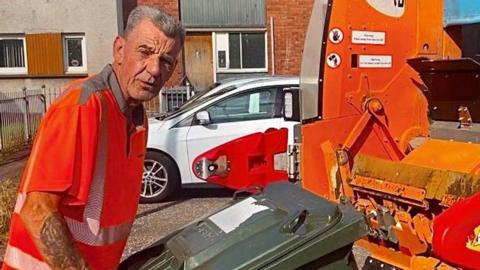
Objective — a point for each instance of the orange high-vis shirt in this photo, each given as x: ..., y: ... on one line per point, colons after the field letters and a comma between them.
x: 89, y: 149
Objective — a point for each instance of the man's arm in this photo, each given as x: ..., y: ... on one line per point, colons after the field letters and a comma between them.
x: 49, y: 231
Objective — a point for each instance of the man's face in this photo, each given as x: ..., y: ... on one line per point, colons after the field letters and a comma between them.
x: 144, y: 61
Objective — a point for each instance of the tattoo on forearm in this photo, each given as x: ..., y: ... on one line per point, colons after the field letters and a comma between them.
x: 58, y: 246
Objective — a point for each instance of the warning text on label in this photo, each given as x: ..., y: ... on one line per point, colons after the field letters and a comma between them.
x: 375, y: 61
x: 368, y: 37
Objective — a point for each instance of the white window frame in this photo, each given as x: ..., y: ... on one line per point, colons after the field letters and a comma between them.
x: 238, y: 70
x: 16, y: 70
x: 74, y: 70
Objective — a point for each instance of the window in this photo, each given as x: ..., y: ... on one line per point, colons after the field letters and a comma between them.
x: 244, y: 51
x: 13, y: 57
x: 47, y: 54
x: 260, y: 104
x: 75, y: 57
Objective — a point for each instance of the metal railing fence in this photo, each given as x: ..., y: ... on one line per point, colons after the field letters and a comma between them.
x: 21, y: 111
x: 20, y: 116
x: 174, y: 97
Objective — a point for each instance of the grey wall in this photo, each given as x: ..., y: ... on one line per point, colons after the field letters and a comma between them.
x: 100, y: 20
x: 14, y: 84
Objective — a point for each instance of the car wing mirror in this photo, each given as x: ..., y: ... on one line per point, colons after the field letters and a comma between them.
x: 203, y: 118
x: 291, y: 104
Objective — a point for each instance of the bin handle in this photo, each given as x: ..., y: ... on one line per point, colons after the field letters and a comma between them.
x: 250, y: 189
x: 297, y: 220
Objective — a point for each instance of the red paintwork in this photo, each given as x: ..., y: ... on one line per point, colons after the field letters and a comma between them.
x: 453, y: 228
x: 251, y: 159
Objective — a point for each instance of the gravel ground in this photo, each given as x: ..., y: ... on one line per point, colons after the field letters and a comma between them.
x: 155, y: 221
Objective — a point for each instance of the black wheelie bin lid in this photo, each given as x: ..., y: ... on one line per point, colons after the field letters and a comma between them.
x: 283, y: 227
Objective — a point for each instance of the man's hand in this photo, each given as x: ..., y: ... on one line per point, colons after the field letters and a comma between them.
x: 49, y: 232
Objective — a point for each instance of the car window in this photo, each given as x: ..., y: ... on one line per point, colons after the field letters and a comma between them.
x: 200, y: 95
x: 198, y: 101
x: 185, y: 122
x: 253, y: 105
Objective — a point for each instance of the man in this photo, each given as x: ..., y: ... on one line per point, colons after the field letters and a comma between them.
x: 79, y: 193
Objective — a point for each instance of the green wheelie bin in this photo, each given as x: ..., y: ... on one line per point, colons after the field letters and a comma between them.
x: 282, y: 227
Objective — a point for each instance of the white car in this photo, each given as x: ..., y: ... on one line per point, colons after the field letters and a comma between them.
x: 234, y: 109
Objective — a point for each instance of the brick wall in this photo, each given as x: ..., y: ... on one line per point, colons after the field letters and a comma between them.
x: 170, y: 6
x: 291, y: 19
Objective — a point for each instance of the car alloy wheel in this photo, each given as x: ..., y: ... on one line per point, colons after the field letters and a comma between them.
x: 154, y: 180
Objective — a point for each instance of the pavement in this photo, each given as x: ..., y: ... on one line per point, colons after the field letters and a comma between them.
x: 154, y: 221
x: 13, y: 164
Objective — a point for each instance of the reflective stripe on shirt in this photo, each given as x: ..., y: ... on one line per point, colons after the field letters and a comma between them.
x: 20, y: 202
x: 18, y: 259
x: 89, y: 231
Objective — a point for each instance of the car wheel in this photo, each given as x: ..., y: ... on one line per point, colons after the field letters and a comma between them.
x: 161, y: 179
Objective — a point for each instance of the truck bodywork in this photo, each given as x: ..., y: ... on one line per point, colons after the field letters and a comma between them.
x: 389, y: 121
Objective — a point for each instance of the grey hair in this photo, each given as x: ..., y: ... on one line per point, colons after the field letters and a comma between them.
x: 161, y: 19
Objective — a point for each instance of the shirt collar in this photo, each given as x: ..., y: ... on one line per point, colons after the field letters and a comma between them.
x: 109, y: 76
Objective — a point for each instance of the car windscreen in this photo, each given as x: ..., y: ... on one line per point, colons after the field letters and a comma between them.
x: 187, y: 104
x: 198, y: 101
x: 200, y: 95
